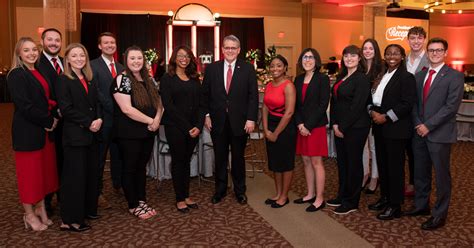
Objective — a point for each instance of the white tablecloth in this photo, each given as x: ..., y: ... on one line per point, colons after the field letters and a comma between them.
x: 202, y: 162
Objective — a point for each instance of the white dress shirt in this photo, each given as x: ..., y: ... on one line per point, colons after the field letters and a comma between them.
x: 107, y: 62
x: 437, y: 69
x: 226, y: 67
x: 411, y: 67
x: 49, y: 57
x: 378, y: 94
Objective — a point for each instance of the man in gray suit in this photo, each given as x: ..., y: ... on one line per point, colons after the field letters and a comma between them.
x: 439, y: 94
x: 417, y: 60
x: 105, y: 69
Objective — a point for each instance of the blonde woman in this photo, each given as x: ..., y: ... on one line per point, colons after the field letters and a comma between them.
x: 32, y: 139
x: 79, y: 105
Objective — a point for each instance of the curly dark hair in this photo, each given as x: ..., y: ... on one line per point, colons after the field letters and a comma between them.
x: 191, y: 69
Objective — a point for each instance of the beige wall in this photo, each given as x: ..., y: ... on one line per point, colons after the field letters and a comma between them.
x: 331, y: 36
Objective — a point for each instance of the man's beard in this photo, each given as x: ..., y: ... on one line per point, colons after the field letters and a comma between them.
x: 48, y: 51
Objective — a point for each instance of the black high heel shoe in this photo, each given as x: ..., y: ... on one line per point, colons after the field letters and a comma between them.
x: 192, y: 205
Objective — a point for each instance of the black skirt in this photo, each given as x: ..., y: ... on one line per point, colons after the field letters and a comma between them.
x: 281, y: 153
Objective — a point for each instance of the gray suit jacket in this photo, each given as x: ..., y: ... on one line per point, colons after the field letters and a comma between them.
x: 424, y: 63
x: 442, y: 103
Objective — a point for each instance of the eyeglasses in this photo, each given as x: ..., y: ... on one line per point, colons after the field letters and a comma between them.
x: 308, y: 57
x: 182, y: 56
x: 438, y: 51
x: 231, y: 48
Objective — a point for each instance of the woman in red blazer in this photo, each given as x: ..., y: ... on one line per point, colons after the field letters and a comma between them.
x: 33, y: 122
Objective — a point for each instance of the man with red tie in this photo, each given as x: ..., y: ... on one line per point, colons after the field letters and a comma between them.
x: 51, y: 66
x: 439, y: 94
x: 105, y: 69
x: 230, y: 88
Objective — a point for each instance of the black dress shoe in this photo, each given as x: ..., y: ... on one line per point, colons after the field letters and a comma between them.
x: 301, y: 201
x: 313, y: 208
x: 390, y: 213
x: 381, y: 204
x: 216, y: 199
x: 183, y: 210
x: 93, y: 216
x: 269, y: 201
x: 242, y: 199
x: 276, y: 205
x: 433, y: 223
x: 418, y: 212
x: 192, y: 205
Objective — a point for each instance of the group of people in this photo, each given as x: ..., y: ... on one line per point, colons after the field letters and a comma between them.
x: 398, y: 106
x: 69, y: 112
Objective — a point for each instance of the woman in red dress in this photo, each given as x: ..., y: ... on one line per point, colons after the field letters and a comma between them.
x: 280, y: 130
x: 33, y: 122
x: 312, y: 99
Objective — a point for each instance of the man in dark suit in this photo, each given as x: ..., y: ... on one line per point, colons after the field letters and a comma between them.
x: 51, y: 66
x: 105, y: 69
x: 230, y: 87
x: 416, y: 61
x: 439, y: 94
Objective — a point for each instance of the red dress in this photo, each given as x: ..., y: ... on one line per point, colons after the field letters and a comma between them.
x: 315, y: 144
x: 36, y: 171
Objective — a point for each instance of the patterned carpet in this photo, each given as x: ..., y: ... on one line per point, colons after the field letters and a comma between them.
x: 226, y: 224
x: 229, y: 224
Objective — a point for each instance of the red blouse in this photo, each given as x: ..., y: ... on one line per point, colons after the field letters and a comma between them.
x: 44, y: 83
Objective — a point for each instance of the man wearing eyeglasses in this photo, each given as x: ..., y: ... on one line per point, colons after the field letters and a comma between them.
x: 230, y: 87
x: 439, y: 94
x: 416, y: 61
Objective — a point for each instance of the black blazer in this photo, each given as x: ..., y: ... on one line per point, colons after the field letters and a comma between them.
x: 242, y: 101
x: 31, y: 115
x: 312, y: 111
x: 184, y: 106
x: 398, y: 99
x: 79, y: 109
x: 349, y: 107
x: 102, y: 78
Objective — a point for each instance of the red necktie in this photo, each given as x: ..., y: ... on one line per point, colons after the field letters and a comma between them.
x: 427, y: 86
x: 112, y: 70
x: 56, y: 65
x: 229, y: 79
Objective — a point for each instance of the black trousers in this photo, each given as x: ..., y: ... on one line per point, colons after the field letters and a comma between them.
x: 237, y: 144
x: 115, y: 163
x: 135, y: 153
x: 350, y: 167
x: 181, y: 150
x: 79, y: 191
x: 391, y: 163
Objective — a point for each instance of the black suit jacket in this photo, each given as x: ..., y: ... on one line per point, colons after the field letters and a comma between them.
x: 349, y: 107
x: 102, y: 78
x: 397, y: 101
x: 312, y: 111
x: 31, y: 115
x: 47, y: 69
x: 79, y: 109
x: 242, y: 101
x: 184, y: 108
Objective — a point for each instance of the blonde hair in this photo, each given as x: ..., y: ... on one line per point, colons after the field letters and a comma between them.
x: 86, y: 70
x: 16, y: 60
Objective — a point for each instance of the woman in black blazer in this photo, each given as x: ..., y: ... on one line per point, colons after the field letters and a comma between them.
x: 183, y: 119
x: 312, y: 99
x: 393, y: 98
x: 81, y: 111
x: 33, y: 122
x: 351, y: 123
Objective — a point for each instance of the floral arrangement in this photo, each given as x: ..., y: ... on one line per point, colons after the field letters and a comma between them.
x: 152, y: 56
x: 252, y: 56
x: 468, y: 88
x: 269, y: 55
